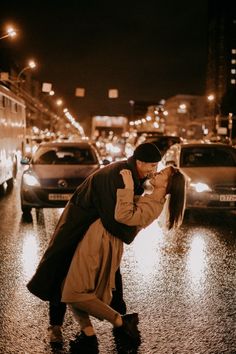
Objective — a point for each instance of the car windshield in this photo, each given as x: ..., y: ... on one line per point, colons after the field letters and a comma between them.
x: 207, y: 156
x: 64, y: 155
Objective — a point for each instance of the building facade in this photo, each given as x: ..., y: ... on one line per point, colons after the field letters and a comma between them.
x: 221, y: 64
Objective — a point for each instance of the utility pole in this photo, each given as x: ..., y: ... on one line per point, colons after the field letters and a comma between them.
x: 230, y: 126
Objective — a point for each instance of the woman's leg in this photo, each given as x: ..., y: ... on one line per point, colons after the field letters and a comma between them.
x: 82, y: 317
x: 125, y: 326
x: 98, y: 309
x: 87, y: 339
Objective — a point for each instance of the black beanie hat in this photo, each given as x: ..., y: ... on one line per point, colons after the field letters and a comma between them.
x: 147, y: 152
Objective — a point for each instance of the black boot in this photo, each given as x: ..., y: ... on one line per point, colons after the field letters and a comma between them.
x: 127, y: 337
x: 84, y: 344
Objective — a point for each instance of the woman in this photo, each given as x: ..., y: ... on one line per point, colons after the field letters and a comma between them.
x: 91, y: 277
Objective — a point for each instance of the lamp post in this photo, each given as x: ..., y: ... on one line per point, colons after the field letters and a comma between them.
x: 31, y: 65
x: 215, y: 120
x: 230, y: 126
x: 54, y: 122
x: 9, y: 33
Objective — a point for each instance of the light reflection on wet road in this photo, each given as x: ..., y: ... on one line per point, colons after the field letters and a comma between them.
x: 182, y: 284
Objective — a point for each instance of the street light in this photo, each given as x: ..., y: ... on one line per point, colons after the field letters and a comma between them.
x: 10, y: 32
x: 31, y: 65
x: 211, y: 97
x: 216, y: 111
x: 59, y: 102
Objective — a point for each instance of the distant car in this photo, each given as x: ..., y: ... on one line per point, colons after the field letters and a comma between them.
x: 163, y: 142
x: 31, y: 144
x: 116, y: 149
x: 210, y: 169
x: 55, y: 171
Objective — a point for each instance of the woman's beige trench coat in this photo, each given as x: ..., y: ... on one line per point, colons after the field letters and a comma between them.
x: 98, y: 255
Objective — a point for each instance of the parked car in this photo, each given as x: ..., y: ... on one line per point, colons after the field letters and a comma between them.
x: 55, y: 171
x: 210, y: 169
x: 163, y: 142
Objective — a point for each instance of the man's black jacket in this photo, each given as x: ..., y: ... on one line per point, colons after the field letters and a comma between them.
x: 94, y: 198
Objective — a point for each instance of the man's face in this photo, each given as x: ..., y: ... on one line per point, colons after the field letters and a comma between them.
x: 146, y: 169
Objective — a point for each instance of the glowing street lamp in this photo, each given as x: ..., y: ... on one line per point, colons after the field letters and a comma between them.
x: 59, y: 102
x: 31, y: 65
x: 211, y: 97
x: 10, y: 32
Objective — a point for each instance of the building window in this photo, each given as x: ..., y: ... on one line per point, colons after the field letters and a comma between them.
x: 3, y: 101
x: 182, y: 108
x: 233, y: 81
x: 233, y: 51
x: 233, y: 71
x: 14, y: 107
x: 233, y: 61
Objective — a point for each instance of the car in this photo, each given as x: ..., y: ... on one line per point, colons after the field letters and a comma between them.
x: 210, y: 170
x: 31, y: 144
x: 55, y: 170
x: 163, y: 142
x: 116, y: 149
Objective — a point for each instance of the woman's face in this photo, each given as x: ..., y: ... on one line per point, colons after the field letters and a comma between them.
x: 161, y: 178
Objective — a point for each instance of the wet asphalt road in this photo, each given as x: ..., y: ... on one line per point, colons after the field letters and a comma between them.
x: 183, y: 285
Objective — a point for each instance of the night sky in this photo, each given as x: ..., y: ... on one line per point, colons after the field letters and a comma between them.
x: 148, y: 50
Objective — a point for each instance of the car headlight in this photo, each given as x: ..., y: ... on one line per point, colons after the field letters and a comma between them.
x: 30, y: 180
x: 200, y: 187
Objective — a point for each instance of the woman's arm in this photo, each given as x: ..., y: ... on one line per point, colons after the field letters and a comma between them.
x: 141, y: 212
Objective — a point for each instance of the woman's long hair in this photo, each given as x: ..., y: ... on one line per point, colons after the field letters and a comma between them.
x: 176, y: 190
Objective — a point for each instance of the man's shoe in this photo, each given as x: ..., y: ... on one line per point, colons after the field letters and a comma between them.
x: 128, y: 333
x: 84, y: 344
x: 55, y: 334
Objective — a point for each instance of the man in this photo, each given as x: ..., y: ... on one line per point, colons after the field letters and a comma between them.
x: 94, y: 198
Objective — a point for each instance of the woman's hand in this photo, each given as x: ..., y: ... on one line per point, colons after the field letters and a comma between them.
x: 127, y: 179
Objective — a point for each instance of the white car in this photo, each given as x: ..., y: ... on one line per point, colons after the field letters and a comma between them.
x: 210, y: 170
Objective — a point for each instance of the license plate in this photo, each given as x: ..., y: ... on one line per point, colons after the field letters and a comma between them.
x: 59, y: 196
x: 227, y: 198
